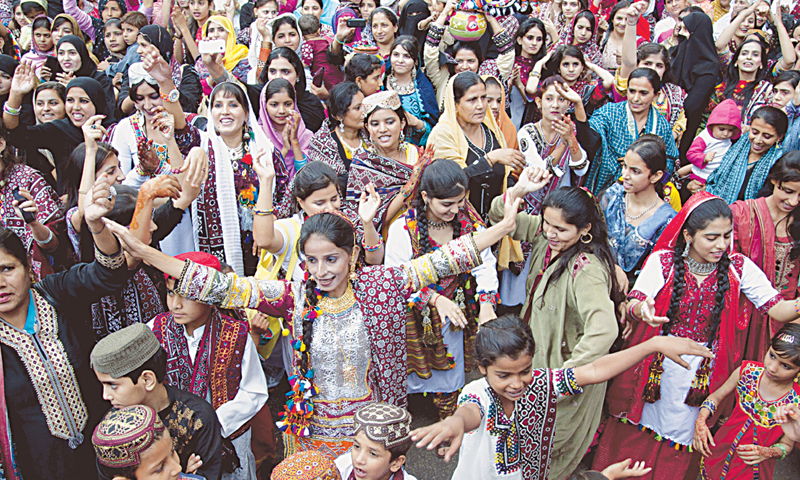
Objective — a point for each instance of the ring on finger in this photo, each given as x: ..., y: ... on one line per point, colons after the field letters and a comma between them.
x: 112, y: 192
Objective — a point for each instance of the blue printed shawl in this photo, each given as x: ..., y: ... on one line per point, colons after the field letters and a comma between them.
x: 726, y: 181
x: 615, y: 124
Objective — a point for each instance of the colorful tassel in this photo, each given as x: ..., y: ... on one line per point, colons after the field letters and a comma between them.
x: 699, y: 389
x: 652, y: 390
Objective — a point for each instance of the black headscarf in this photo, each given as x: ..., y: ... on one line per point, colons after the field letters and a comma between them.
x: 160, y: 37
x: 97, y: 95
x: 88, y: 68
x: 413, y: 12
x: 695, y: 56
x: 7, y: 65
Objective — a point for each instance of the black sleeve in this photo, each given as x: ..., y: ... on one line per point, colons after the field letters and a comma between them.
x: 108, y: 88
x: 312, y: 111
x: 694, y: 106
x: 254, y: 94
x: 335, y: 59
x: 123, y: 92
x: 207, y: 444
x: 84, y: 283
x: 166, y: 218
x: 191, y: 90
x: 588, y: 139
x: 35, y: 137
x: 26, y: 114
x: 479, y: 169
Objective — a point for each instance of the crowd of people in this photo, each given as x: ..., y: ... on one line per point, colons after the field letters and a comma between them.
x: 591, y: 206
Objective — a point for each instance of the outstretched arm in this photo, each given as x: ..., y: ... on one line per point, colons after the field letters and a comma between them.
x: 702, y: 435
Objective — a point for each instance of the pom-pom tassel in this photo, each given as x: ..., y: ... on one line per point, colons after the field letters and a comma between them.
x: 652, y: 390
x: 699, y: 390
x: 428, y: 337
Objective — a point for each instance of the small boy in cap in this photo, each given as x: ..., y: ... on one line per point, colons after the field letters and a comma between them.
x: 132, y: 366
x: 381, y: 440
x: 133, y: 444
x: 306, y: 465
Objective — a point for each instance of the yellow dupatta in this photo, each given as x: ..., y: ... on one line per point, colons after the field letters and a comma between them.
x: 234, y: 53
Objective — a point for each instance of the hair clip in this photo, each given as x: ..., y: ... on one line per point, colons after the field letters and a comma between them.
x: 785, y: 337
x: 589, y: 193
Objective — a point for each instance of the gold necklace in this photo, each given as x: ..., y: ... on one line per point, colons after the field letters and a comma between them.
x: 335, y: 306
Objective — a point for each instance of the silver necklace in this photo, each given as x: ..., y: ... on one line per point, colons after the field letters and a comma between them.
x: 437, y: 226
x: 630, y: 218
x: 699, y: 268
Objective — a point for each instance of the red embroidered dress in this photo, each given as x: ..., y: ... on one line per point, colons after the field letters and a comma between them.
x: 751, y: 423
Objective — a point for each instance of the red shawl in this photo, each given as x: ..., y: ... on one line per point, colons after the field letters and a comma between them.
x: 625, y: 396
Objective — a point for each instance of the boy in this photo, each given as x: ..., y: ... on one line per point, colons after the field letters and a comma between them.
x: 133, y: 444
x: 131, y: 23
x: 314, y: 52
x: 380, y: 443
x: 131, y: 365
x: 196, y: 335
x: 306, y: 465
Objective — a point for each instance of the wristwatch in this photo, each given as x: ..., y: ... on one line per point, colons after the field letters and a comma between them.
x: 173, y: 96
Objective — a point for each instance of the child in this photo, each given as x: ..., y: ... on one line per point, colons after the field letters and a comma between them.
x: 260, y: 32
x: 750, y: 441
x: 314, y: 50
x: 306, y: 465
x: 708, y: 148
x: 131, y: 22
x: 131, y: 365
x: 132, y: 443
x: 115, y: 44
x: 509, y: 415
x: 210, y: 354
x: 380, y: 443
x: 41, y: 46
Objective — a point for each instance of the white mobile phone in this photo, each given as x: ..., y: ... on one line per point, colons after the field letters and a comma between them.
x: 211, y: 46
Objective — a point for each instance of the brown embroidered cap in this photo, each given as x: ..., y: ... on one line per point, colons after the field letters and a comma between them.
x: 383, y: 423
x: 124, y: 434
x: 125, y: 350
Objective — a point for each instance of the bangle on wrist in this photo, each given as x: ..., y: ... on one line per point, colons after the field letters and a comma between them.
x: 49, y: 238
x: 782, y: 448
x: 97, y: 232
x: 11, y: 111
x: 264, y: 213
x: 709, y: 405
x: 374, y: 247
x: 336, y: 39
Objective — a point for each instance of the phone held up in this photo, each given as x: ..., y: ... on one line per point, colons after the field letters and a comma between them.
x: 211, y: 46
x: 356, y: 22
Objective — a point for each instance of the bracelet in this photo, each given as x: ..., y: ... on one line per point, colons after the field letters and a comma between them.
x: 490, y: 298
x: 336, y: 39
x: 11, y: 111
x: 632, y: 309
x: 49, y: 239
x: 797, y: 306
x: 535, y: 74
x: 97, y: 232
x: 83, y: 192
x: 374, y: 247
x: 709, y: 405
x: 264, y: 213
x: 112, y: 262
x: 782, y: 448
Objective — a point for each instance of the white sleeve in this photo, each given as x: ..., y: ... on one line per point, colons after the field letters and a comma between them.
x: 755, y: 285
x: 250, y: 398
x: 398, y: 244
x: 651, y: 280
x: 281, y: 227
x: 122, y: 138
x: 486, y: 273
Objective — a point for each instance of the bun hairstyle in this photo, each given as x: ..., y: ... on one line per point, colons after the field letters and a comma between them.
x: 338, y: 231
x: 441, y: 179
x: 787, y: 169
x: 653, y: 152
x: 506, y: 336
x: 700, y: 218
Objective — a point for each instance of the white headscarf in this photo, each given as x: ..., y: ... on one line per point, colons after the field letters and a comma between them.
x: 226, y: 189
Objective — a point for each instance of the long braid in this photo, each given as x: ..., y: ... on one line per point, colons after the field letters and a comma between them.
x: 723, y: 285
x: 424, y: 236
x: 308, y: 326
x: 678, y: 286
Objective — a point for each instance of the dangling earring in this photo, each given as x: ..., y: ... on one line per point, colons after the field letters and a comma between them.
x: 402, y: 139
x: 341, y: 127
x: 353, y: 268
x: 245, y: 134
x: 585, y: 240
x: 686, y: 249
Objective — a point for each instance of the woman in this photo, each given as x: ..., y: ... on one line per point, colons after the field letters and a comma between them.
x: 441, y: 325
x: 48, y: 104
x: 44, y: 330
x: 561, y: 13
x: 765, y: 229
x: 281, y: 121
x: 345, y: 353
x: 670, y: 99
x: 573, y: 295
x: 40, y: 199
x: 184, y: 77
x: 41, y: 45
x: 234, y: 59
x: 466, y: 135
x: 635, y: 209
x: 284, y: 63
x: 620, y: 124
x: 383, y: 26
x: 581, y: 34
x: 342, y: 137
x: 64, y: 25
x: 415, y: 90
x: 8, y: 69
x: 496, y: 102
x: 530, y: 47
x: 745, y: 166
x: 695, y: 68
x: 223, y: 212
x: 84, y: 99
x: 191, y: 31
x: 468, y: 55
x: 411, y: 15
x: 316, y: 7
x: 690, y: 287
x: 611, y: 46
x: 93, y: 27
x: 74, y: 62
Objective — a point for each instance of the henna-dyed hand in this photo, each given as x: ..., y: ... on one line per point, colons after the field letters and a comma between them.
x: 148, y: 159
x: 163, y: 186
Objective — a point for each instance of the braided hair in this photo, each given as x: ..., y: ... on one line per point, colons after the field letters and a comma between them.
x: 338, y: 231
x: 699, y: 219
x: 441, y: 179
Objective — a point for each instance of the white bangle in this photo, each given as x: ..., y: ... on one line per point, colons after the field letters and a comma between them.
x: 49, y: 239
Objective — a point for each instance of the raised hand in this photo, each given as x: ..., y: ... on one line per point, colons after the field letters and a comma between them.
x: 27, y: 206
x: 93, y: 130
x: 344, y: 33
x: 164, y: 122
x: 162, y: 186
x: 179, y: 19
x: 24, y: 80
x: 531, y: 179
x: 565, y: 128
x: 101, y: 200
x: 194, y: 463
x: 368, y: 204
x: 261, y: 26
x: 132, y: 245
x: 64, y: 78
x: 569, y: 94
x: 155, y: 64
x: 148, y: 159
x: 647, y: 309
x: 45, y: 74
x: 263, y: 166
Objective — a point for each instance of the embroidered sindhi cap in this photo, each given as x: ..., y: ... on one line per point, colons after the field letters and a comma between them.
x: 306, y: 465
x: 124, y: 434
x: 125, y: 350
x: 387, y: 99
x: 383, y: 423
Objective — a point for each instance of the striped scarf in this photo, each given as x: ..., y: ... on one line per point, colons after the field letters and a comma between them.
x: 726, y: 181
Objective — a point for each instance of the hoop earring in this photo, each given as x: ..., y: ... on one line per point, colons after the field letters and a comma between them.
x: 584, y: 240
x: 686, y: 249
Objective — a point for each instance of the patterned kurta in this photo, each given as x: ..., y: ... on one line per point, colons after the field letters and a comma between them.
x: 374, y: 344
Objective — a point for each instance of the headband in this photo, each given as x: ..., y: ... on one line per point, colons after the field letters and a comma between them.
x: 137, y: 74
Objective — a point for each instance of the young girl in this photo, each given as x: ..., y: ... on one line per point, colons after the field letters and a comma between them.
x: 281, y: 121
x: 441, y: 326
x: 41, y: 46
x: 508, y: 416
x: 723, y: 128
x: 115, y: 43
x: 749, y: 442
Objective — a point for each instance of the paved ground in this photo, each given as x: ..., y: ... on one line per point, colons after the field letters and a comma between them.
x: 424, y: 464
